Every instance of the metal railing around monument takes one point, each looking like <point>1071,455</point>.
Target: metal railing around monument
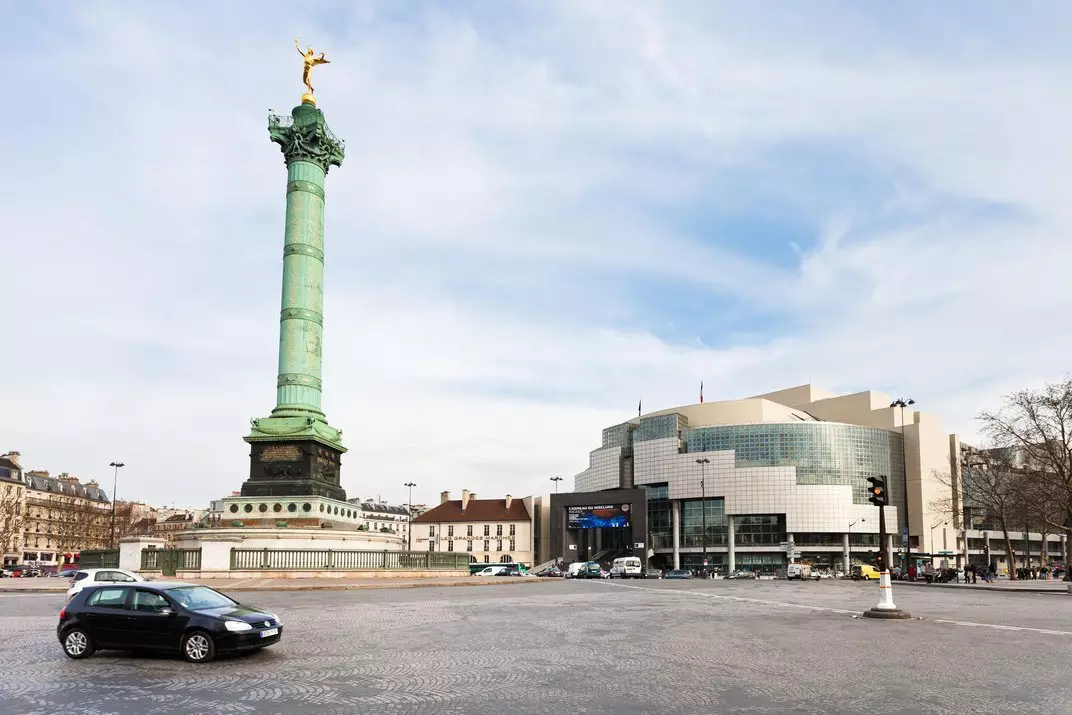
<point>171,559</point>
<point>306,560</point>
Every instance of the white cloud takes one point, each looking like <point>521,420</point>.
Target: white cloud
<point>517,194</point>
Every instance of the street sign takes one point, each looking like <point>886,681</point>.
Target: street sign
<point>638,545</point>
<point>904,538</point>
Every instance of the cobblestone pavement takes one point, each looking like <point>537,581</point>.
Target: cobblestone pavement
<point>580,647</point>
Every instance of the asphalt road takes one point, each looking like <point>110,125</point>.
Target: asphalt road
<point>580,647</point>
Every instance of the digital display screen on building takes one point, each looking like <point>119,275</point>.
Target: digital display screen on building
<point>604,516</point>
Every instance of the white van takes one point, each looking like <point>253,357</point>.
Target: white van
<point>577,567</point>
<point>627,567</point>
<point>801,571</point>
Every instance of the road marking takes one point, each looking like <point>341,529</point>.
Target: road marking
<point>741,599</point>
<point>1004,628</point>
<point>766,602</point>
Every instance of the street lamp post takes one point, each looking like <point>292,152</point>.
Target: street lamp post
<point>703,462</point>
<point>115,480</point>
<point>556,480</point>
<point>848,556</point>
<point>933,527</point>
<point>903,403</point>
<point>409,529</point>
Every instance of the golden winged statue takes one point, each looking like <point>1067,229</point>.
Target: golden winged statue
<point>310,60</point>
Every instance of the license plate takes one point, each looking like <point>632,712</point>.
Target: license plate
<point>270,632</point>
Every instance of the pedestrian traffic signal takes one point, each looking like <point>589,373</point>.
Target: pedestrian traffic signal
<point>877,491</point>
<point>880,561</point>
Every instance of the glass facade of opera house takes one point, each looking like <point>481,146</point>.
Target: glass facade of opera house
<point>761,484</point>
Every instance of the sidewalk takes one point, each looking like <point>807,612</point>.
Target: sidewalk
<point>60,585</point>
<point>1061,587</point>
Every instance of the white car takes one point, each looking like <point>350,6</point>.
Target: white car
<point>96,577</point>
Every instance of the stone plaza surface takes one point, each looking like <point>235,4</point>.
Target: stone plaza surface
<point>581,646</point>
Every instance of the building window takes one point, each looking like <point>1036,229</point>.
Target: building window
<point>469,530</point>
<point>513,545</point>
<point>431,530</point>
<point>450,530</point>
<point>498,546</point>
<point>450,546</point>
<point>468,545</point>
<point>498,529</point>
<point>487,545</point>
<point>513,530</point>
<point>487,559</point>
<point>431,546</point>
<point>507,559</point>
<point>487,530</point>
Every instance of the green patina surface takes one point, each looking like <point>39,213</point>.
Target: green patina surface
<point>309,150</point>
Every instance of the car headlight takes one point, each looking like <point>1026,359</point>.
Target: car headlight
<point>237,626</point>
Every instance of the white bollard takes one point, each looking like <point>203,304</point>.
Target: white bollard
<point>885,593</point>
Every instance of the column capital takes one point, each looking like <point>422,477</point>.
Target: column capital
<point>304,136</point>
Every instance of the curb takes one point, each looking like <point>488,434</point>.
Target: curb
<point>977,587</point>
<point>328,587</point>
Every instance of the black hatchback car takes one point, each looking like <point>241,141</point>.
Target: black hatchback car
<point>197,621</point>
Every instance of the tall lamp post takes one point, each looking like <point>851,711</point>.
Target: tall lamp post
<point>115,480</point>
<point>703,462</point>
<point>556,480</point>
<point>409,529</point>
<point>903,403</point>
<point>933,527</point>
<point>848,556</point>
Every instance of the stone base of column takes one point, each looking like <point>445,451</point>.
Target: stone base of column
<point>887,613</point>
<point>886,608</point>
<point>294,468</point>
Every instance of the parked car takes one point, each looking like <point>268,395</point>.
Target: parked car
<point>678,573</point>
<point>865,572</point>
<point>196,621</point>
<point>552,572</point>
<point>592,569</point>
<point>95,577</point>
<point>653,573</point>
<point>742,574</point>
<point>491,571</point>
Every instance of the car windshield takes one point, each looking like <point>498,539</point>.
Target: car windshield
<point>198,598</point>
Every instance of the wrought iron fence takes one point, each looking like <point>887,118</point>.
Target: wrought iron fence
<point>171,560</point>
<point>303,559</point>
<point>99,559</point>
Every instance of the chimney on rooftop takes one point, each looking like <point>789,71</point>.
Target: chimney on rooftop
<point>465,498</point>
<point>444,497</point>
<point>509,500</point>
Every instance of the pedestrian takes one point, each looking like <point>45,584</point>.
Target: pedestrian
<point>972,573</point>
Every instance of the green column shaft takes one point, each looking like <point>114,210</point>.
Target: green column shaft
<point>301,319</point>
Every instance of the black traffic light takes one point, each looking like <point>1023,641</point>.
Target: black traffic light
<point>877,491</point>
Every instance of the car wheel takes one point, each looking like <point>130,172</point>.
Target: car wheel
<point>77,644</point>
<point>197,647</point>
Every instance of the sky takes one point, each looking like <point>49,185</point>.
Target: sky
<point>548,211</point>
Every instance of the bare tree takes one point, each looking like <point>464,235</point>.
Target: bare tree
<point>993,484</point>
<point>1037,424</point>
<point>12,511</point>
